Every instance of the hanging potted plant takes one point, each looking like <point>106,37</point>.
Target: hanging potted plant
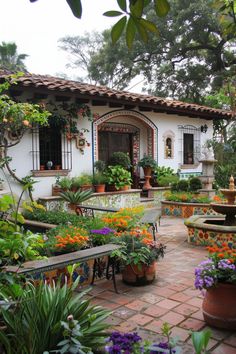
<point>138,255</point>
<point>217,276</point>
<point>148,164</point>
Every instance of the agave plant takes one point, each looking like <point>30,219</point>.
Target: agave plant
<point>76,197</point>
<point>33,324</point>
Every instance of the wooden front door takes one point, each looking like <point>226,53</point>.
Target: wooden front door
<point>110,142</point>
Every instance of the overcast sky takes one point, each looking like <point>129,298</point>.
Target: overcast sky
<point>36,28</point>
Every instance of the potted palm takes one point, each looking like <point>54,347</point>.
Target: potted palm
<point>74,198</point>
<point>118,177</point>
<point>138,256</point>
<point>148,164</point>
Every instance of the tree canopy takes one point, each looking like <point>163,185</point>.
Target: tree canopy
<point>10,59</point>
<point>192,56</point>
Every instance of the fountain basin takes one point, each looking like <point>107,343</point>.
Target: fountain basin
<point>205,230</point>
<point>226,209</point>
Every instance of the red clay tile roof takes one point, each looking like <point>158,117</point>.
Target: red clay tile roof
<point>59,85</point>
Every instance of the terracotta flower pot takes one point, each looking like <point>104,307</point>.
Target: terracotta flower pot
<point>134,275</point>
<point>219,306</point>
<point>99,188</point>
<point>56,190</point>
<point>125,188</point>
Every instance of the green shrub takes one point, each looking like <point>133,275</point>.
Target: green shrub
<point>162,171</point>
<point>34,323</point>
<point>195,184</point>
<point>165,181</point>
<point>181,185</point>
<point>121,159</point>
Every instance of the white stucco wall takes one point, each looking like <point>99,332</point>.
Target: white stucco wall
<point>22,156</point>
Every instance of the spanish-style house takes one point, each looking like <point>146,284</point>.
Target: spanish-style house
<point>171,131</point>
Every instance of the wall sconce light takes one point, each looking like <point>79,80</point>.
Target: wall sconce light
<point>204,128</point>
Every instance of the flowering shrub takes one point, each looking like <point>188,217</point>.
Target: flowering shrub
<point>124,219</point>
<point>65,239</point>
<point>220,267</point>
<point>186,197</point>
<point>101,236</point>
<point>137,247</point>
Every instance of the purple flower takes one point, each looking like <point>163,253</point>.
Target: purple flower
<point>226,264</point>
<point>103,231</point>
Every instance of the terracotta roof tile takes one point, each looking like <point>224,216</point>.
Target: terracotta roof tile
<point>62,85</point>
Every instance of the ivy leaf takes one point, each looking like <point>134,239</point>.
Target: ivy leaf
<point>122,5</point>
<point>76,7</point>
<point>162,7</point>
<point>130,32</point>
<point>150,26</point>
<point>137,8</point>
<point>118,29</point>
<point>112,13</point>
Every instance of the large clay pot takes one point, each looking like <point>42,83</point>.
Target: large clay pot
<point>219,306</point>
<point>147,175</point>
<point>125,188</point>
<point>134,275</point>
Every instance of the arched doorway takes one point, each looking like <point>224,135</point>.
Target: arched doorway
<point>127,131</point>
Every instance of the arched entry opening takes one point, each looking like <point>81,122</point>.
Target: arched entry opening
<point>127,131</point>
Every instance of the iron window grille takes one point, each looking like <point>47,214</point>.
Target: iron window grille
<point>189,144</point>
<point>50,145</point>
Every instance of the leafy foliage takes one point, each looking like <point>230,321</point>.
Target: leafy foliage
<point>34,325</point>
<point>120,158</point>
<point>117,176</point>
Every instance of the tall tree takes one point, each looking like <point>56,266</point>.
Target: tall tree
<point>192,55</point>
<point>10,59</point>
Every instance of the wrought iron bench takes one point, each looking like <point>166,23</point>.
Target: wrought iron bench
<point>58,262</point>
<point>88,210</point>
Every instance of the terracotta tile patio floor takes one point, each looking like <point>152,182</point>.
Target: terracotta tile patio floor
<point>171,298</point>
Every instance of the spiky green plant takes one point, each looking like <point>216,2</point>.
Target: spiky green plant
<point>33,324</point>
<point>76,197</point>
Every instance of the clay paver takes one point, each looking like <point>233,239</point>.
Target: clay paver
<point>171,298</point>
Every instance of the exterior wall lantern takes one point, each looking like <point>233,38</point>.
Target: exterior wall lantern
<point>204,128</point>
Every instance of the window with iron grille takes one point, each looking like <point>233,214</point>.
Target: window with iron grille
<point>51,150</point>
<point>189,143</point>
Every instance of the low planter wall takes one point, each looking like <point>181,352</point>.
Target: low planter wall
<point>207,230</point>
<point>118,199</point>
<point>185,210</point>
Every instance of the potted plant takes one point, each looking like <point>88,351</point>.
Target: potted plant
<point>100,166</point>
<point>85,181</point>
<point>65,183</point>
<point>138,255</point>
<point>148,164</point>
<point>74,198</point>
<point>121,159</point>
<point>99,182</point>
<point>118,177</point>
<point>217,275</point>
<point>76,184</point>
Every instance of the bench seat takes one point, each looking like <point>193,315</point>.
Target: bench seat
<point>61,261</point>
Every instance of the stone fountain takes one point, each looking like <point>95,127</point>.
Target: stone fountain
<point>208,229</point>
<point>228,209</point>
